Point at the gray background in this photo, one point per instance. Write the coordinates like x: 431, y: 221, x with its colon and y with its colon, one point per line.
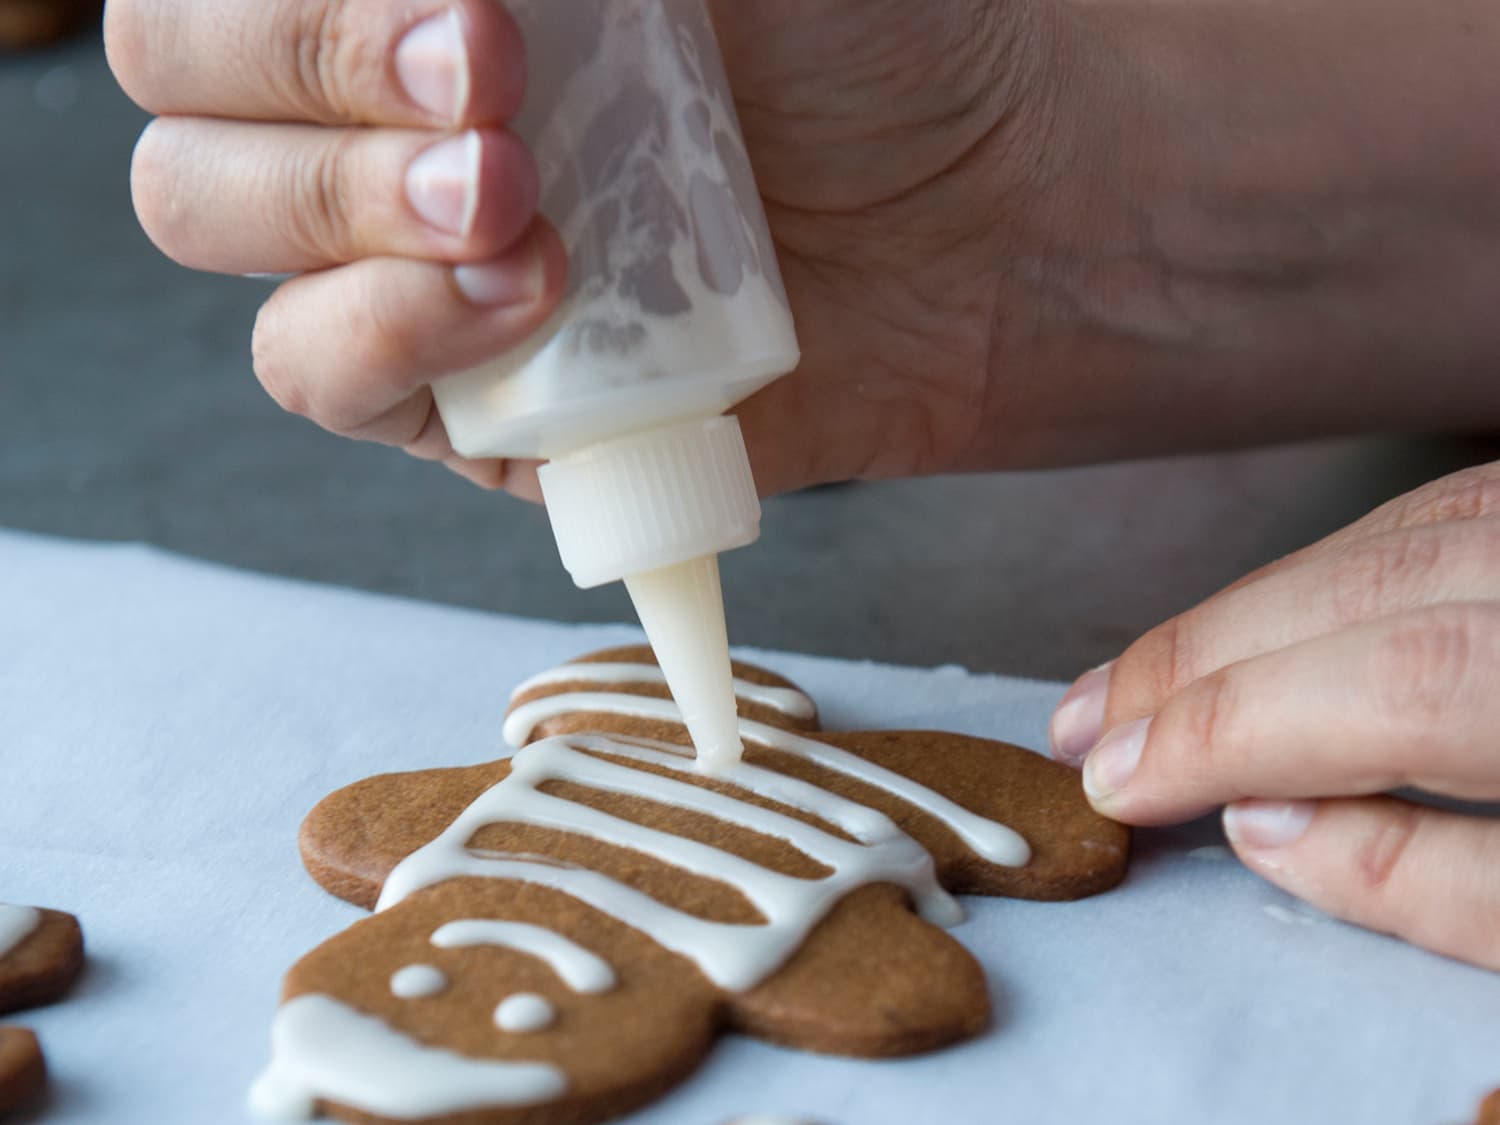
x: 128, y: 411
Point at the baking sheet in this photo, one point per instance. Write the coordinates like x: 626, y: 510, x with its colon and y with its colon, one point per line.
x: 164, y: 725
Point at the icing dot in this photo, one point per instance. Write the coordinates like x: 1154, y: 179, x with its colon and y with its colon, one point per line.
x: 414, y: 981
x: 525, y: 1011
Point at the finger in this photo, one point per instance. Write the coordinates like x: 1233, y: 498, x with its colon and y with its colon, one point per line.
x: 354, y: 348
x: 1405, y: 700
x: 1430, y: 877
x: 431, y: 63
x: 248, y: 198
x: 1362, y: 579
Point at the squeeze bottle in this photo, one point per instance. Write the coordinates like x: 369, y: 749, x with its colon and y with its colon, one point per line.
x: 674, y: 312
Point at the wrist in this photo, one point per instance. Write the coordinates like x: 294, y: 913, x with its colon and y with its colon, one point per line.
x: 1235, y: 232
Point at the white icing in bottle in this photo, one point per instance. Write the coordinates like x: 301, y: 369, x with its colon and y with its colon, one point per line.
x: 523, y: 1012
x: 413, y: 982
x: 674, y: 312
x: 17, y: 923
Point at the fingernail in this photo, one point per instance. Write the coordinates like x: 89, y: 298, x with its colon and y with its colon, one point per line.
x: 516, y: 279
x: 442, y: 183
x: 1079, y: 719
x: 1111, y: 764
x: 432, y: 63
x: 1268, y: 824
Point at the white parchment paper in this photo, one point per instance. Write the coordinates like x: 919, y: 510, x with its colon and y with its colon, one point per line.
x: 165, y: 724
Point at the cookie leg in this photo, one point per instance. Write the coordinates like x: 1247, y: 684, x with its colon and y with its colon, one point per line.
x: 872, y: 980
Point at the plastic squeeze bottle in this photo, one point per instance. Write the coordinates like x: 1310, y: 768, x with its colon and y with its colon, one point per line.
x: 674, y: 312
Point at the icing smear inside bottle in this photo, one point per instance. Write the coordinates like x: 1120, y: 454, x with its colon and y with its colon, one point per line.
x: 674, y: 312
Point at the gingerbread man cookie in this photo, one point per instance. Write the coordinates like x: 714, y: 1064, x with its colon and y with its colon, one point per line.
x: 1489, y: 1110
x: 559, y: 936
x: 41, y: 954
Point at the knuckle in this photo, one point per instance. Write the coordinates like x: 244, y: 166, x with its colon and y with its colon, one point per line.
x: 318, y: 215
x: 332, y: 54
x: 1386, y: 851
x: 1206, y: 718
x: 1470, y: 494
x: 1158, y: 665
x: 386, y: 351
x: 1373, y: 577
x: 266, y: 349
x: 1425, y: 663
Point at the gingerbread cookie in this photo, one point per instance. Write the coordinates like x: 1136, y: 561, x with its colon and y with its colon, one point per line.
x: 41, y: 955
x: 23, y: 1072
x: 1489, y: 1110
x: 560, y: 936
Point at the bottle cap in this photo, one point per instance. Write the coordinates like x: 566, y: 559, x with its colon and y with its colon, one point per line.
x: 651, y: 499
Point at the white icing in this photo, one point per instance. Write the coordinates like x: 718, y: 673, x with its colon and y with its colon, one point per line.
x: 734, y: 956
x: 579, y: 968
x: 525, y: 1011
x: 16, y: 925
x: 788, y: 701
x: 324, y: 1049
x: 987, y: 839
x: 412, y: 982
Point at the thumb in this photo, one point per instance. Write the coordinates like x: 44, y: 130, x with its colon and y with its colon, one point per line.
x: 1427, y: 876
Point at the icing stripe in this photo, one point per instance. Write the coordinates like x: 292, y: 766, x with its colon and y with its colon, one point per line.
x: 987, y: 839
x: 788, y: 701
x: 580, y: 969
x: 16, y: 925
x: 734, y: 956
x: 324, y: 1049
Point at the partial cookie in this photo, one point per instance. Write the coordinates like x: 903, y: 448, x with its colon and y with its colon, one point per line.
x: 562, y: 934
x: 23, y: 1072
x: 1489, y: 1110
x: 41, y: 955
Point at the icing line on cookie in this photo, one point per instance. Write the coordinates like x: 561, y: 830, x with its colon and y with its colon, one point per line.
x: 525, y: 1011
x: 17, y: 923
x: 580, y: 969
x: 987, y: 839
x: 322, y: 1048
x: 413, y: 982
x: 734, y: 956
x: 789, y: 701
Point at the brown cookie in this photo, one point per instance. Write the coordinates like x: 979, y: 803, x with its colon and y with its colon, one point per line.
x: 23, y: 1071
x: 1489, y: 1110
x: 563, y: 933
x: 41, y: 955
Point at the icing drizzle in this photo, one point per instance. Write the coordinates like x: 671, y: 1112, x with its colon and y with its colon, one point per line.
x: 580, y: 969
x: 16, y: 925
x: 411, y: 982
x: 788, y: 701
x: 525, y: 1011
x: 322, y: 1048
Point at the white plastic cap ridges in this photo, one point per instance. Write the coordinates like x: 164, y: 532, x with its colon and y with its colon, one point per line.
x: 651, y: 499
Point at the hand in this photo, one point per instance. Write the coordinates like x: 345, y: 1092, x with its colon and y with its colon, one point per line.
x: 364, y: 144
x: 1301, y: 694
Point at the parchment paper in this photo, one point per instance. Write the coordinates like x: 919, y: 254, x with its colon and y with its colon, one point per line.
x: 165, y: 724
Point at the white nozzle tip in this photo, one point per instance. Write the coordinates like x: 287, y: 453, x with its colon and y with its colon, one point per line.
x: 651, y: 500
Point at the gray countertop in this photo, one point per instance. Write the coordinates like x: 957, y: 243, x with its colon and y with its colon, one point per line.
x: 128, y: 411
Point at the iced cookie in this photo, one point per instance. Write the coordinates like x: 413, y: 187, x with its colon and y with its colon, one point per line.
x: 560, y: 935
x: 41, y: 954
x: 23, y: 1073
